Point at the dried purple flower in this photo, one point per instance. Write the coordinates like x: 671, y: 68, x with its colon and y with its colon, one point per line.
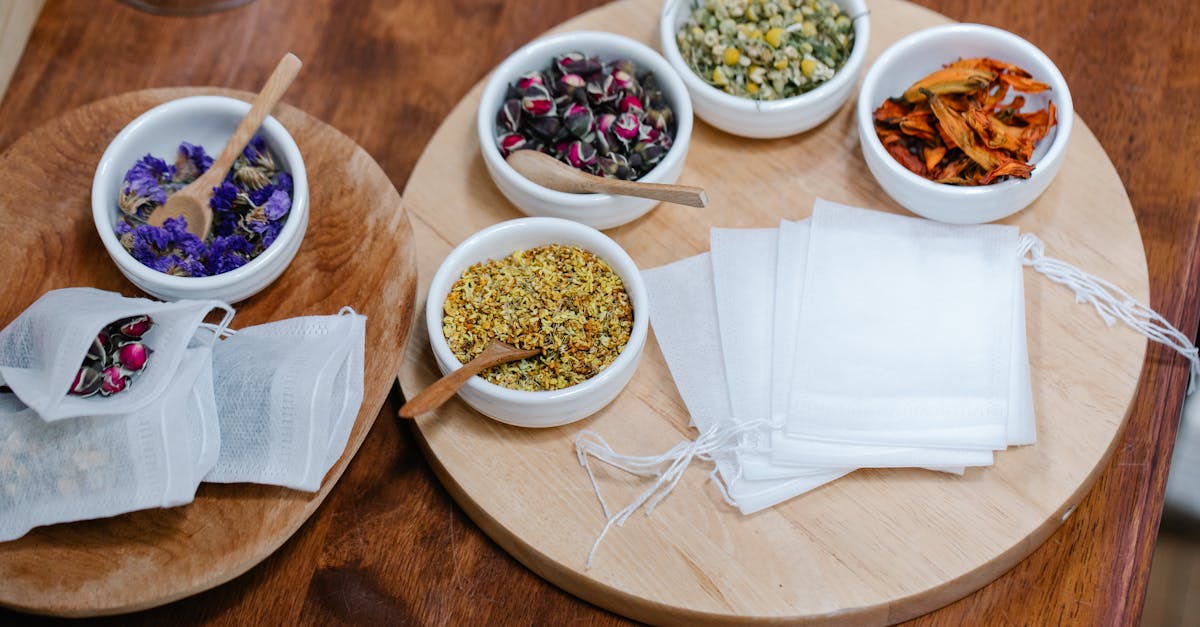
x: 278, y: 205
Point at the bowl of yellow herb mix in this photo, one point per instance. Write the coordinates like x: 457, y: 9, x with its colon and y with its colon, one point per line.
x: 766, y: 68
x: 550, y: 284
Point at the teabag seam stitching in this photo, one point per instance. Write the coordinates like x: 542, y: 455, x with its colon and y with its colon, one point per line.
x: 1110, y: 302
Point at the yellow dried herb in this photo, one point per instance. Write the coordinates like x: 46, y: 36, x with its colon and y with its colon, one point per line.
x: 561, y: 299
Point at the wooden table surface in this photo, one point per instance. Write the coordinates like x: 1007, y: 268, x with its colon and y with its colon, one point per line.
x: 388, y: 545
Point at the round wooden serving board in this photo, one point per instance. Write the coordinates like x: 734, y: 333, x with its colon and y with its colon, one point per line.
x: 358, y: 251
x: 877, y: 546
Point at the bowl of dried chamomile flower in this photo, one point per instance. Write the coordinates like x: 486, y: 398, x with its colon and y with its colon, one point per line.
x: 766, y: 69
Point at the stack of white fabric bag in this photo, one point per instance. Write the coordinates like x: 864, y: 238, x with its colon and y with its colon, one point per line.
x: 853, y: 339
x: 270, y: 404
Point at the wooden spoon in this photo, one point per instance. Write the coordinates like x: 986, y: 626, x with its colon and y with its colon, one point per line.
x: 549, y: 172
x: 495, y: 353
x: 191, y: 202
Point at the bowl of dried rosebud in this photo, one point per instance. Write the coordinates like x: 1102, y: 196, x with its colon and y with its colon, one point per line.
x: 599, y: 102
x: 540, y: 283
x: 260, y: 211
x: 964, y: 123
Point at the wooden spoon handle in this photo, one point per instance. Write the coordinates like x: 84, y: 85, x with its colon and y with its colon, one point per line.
x: 279, y: 81
x: 678, y: 194
x: 441, y: 390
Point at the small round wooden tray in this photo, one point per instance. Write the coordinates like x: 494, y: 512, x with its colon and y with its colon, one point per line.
x: 877, y: 546
x: 358, y: 251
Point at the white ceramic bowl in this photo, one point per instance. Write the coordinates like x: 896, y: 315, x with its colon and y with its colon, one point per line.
x: 207, y: 121
x: 539, y: 409
x: 771, y: 118
x: 602, y: 211
x: 919, y: 54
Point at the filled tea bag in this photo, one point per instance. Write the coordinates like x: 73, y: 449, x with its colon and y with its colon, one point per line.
x: 905, y: 332
x: 42, y: 349
x: 97, y: 466
x: 275, y: 389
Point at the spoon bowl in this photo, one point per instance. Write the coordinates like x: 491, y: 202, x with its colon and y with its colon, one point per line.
x: 549, y: 172
x: 192, y: 202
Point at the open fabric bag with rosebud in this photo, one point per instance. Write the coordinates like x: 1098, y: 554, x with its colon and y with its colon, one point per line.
x: 115, y: 404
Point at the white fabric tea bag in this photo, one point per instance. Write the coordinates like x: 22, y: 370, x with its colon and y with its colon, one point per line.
x: 41, y: 351
x: 905, y: 333
x: 275, y: 391
x: 98, y: 466
x: 347, y: 391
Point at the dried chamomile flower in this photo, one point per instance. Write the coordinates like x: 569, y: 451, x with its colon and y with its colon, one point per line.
x: 766, y: 49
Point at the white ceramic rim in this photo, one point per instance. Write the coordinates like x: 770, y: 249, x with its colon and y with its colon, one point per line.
x: 104, y: 211
x: 612, y: 253
x: 572, y: 41
x: 841, y: 79
x: 1062, y: 102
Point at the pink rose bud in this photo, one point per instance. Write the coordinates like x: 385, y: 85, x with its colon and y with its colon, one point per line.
x: 631, y: 104
x: 136, y: 326
x: 86, y: 383
x: 528, y: 80
x: 626, y: 127
x: 133, y: 356
x: 510, y: 142
x: 112, y: 381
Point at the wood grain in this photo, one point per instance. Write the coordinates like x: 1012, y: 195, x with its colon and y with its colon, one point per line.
x: 365, y: 261
x: 872, y: 548
x: 386, y: 76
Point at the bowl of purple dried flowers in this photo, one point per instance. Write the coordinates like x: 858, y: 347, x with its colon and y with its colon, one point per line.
x: 260, y: 211
x: 599, y: 102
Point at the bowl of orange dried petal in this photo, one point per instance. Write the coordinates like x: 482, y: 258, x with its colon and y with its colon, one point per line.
x: 964, y: 123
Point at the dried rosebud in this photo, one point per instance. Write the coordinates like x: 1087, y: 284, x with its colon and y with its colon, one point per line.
x: 579, y: 120
x: 605, y: 121
x: 651, y: 153
x: 658, y: 118
x: 581, y: 155
x: 601, y: 90
x: 133, y: 356
x: 509, y: 116
x: 577, y: 63
x: 622, y: 81
x: 626, y: 127
x: 135, y: 327
x: 538, y: 102
x: 510, y: 142
x: 631, y: 104
x: 86, y: 383
x: 572, y: 86
x: 613, y: 165
x: 548, y: 128
x: 112, y: 381
x: 96, y: 353
x: 530, y: 79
